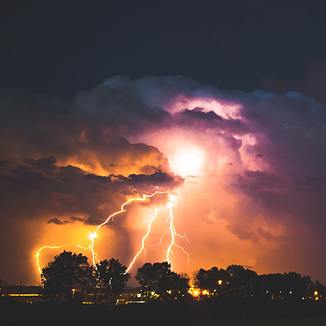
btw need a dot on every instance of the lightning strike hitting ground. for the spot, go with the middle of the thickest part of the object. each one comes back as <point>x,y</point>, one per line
<point>172,199</point>
<point>173,233</point>
<point>142,248</point>
<point>93,235</point>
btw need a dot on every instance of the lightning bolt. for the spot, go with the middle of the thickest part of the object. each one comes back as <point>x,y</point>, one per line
<point>173,232</point>
<point>39,251</point>
<point>142,248</point>
<point>93,235</point>
<point>38,255</point>
<point>172,199</point>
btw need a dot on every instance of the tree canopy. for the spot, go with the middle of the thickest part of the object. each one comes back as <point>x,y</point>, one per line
<point>68,277</point>
<point>158,278</point>
<point>111,275</point>
<point>241,282</point>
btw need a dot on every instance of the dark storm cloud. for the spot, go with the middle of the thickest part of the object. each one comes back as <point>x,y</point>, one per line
<point>282,134</point>
<point>119,104</point>
<point>289,131</point>
<point>287,197</point>
<point>199,114</point>
<point>233,44</point>
<point>202,120</point>
<point>43,189</point>
<point>311,83</point>
<point>71,219</point>
<point>32,127</point>
<point>57,221</point>
<point>60,159</point>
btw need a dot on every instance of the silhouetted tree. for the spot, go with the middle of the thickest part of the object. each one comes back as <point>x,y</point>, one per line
<point>159,278</point>
<point>271,285</point>
<point>149,275</point>
<point>111,276</point>
<point>295,286</point>
<point>214,279</point>
<point>68,277</point>
<point>243,282</point>
<point>2,283</point>
<point>288,286</point>
<point>179,285</point>
<point>320,288</point>
<point>234,281</point>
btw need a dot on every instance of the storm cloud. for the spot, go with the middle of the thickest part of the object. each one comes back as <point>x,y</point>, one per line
<point>66,161</point>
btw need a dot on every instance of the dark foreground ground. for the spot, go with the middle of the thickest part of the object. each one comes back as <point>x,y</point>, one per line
<point>206,314</point>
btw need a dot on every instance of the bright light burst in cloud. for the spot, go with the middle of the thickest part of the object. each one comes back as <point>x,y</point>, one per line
<point>187,161</point>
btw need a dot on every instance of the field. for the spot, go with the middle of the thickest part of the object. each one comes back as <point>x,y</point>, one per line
<point>207,314</point>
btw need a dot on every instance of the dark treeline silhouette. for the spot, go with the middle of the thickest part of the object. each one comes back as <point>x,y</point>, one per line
<point>238,281</point>
<point>158,281</point>
<point>70,278</point>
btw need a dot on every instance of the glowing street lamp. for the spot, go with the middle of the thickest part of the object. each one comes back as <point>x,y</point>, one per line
<point>195,292</point>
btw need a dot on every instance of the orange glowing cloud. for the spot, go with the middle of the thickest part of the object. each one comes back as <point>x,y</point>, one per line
<point>252,186</point>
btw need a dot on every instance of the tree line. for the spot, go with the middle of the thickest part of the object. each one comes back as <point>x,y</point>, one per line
<point>70,278</point>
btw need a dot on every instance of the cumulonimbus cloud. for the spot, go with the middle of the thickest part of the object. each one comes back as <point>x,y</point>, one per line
<point>265,153</point>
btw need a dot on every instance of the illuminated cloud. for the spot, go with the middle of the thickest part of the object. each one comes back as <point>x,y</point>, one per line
<point>254,166</point>
<point>43,189</point>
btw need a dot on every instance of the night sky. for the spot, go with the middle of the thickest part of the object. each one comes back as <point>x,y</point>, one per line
<point>220,102</point>
<point>62,48</point>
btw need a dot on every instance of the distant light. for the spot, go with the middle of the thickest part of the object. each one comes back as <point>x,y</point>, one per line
<point>22,295</point>
<point>195,292</point>
<point>316,293</point>
<point>205,292</point>
<point>219,282</point>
